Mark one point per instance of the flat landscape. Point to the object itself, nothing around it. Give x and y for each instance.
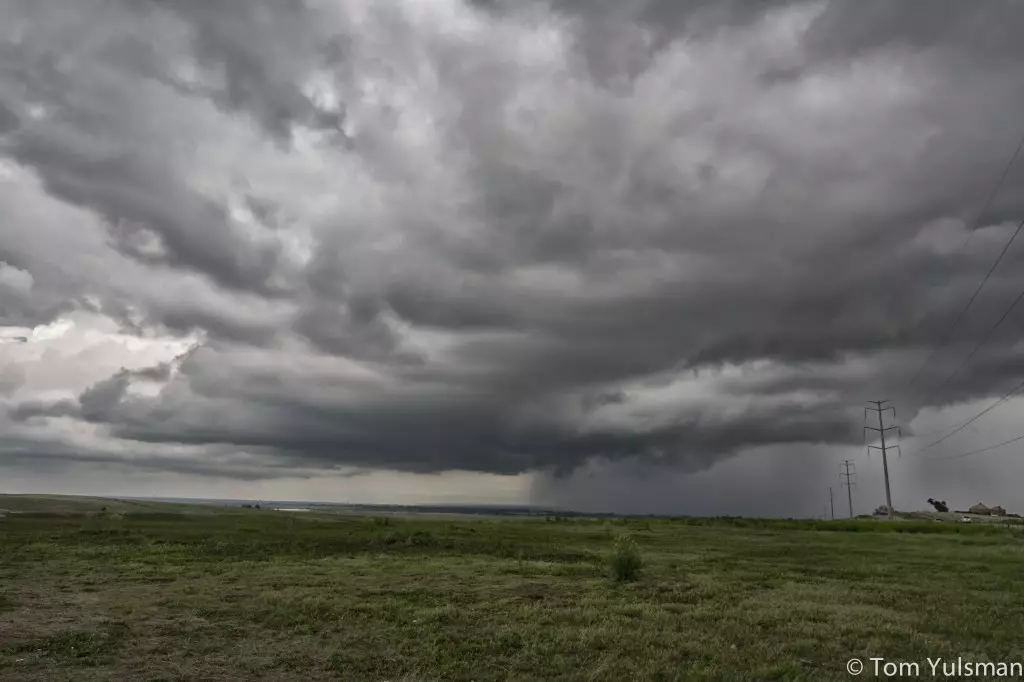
(98, 589)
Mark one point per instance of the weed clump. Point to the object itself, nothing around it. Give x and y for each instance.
(625, 561)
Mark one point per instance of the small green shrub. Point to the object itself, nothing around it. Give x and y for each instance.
(626, 561)
(420, 538)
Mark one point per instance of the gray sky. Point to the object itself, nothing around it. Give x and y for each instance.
(636, 256)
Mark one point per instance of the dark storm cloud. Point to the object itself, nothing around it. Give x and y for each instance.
(511, 237)
(984, 31)
(259, 49)
(97, 401)
(161, 372)
(37, 408)
(22, 303)
(192, 232)
(54, 456)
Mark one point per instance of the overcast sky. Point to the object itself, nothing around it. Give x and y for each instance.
(644, 255)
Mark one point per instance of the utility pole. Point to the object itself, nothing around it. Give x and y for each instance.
(882, 429)
(831, 503)
(848, 482)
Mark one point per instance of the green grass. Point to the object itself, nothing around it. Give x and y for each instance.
(261, 595)
(54, 505)
(626, 560)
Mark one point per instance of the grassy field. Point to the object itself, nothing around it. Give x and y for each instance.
(66, 504)
(176, 593)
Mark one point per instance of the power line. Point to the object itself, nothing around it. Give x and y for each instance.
(975, 452)
(948, 332)
(970, 421)
(995, 190)
(929, 432)
(975, 223)
(984, 208)
(981, 343)
(1016, 389)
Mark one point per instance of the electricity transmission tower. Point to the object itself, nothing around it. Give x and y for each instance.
(849, 481)
(882, 430)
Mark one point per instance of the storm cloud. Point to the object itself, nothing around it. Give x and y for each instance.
(502, 237)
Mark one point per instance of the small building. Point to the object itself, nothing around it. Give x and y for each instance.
(997, 511)
(980, 509)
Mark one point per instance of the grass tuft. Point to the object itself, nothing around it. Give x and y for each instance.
(626, 561)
